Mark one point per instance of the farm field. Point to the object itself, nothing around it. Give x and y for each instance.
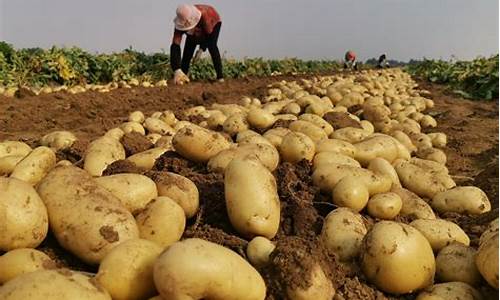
(471, 150)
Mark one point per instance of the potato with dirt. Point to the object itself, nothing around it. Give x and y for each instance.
(350, 192)
(412, 205)
(198, 144)
(101, 153)
(146, 159)
(326, 157)
(384, 205)
(58, 284)
(267, 154)
(297, 146)
(487, 260)
(456, 262)
(206, 271)
(24, 222)
(343, 231)
(440, 233)
(180, 189)
(14, 148)
(21, 261)
(252, 201)
(260, 118)
(338, 146)
(461, 199)
(134, 191)
(397, 258)
(350, 134)
(8, 163)
(34, 166)
(258, 251)
(382, 167)
(126, 272)
(419, 180)
(450, 290)
(321, 287)
(314, 132)
(382, 146)
(162, 222)
(86, 219)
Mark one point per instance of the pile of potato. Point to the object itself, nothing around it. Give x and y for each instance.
(364, 136)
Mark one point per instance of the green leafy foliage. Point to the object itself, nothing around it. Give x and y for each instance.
(476, 79)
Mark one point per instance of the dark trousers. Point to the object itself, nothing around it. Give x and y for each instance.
(209, 43)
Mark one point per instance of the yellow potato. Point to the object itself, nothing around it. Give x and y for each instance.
(291, 108)
(413, 206)
(455, 262)
(21, 261)
(418, 180)
(252, 200)
(255, 139)
(383, 146)
(384, 205)
(198, 144)
(296, 146)
(146, 159)
(350, 192)
(153, 137)
(35, 165)
(158, 126)
(165, 142)
(206, 271)
(350, 134)
(440, 233)
(275, 136)
(325, 157)
(58, 140)
(404, 139)
(24, 221)
(101, 153)
(136, 116)
(115, 133)
(126, 272)
(260, 118)
(85, 218)
(235, 123)
(343, 231)
(268, 156)
(438, 139)
(384, 168)
(397, 258)
(490, 231)
(180, 189)
(450, 290)
(461, 199)
(334, 145)
(321, 287)
(162, 222)
(318, 121)
(432, 154)
(134, 191)
(14, 148)
(367, 126)
(129, 127)
(487, 260)
(258, 251)
(8, 163)
(314, 132)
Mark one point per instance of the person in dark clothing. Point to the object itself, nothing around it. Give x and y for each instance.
(382, 62)
(350, 60)
(201, 24)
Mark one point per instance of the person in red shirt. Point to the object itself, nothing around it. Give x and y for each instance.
(201, 25)
(350, 60)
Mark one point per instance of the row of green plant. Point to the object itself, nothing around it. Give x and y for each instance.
(70, 66)
(476, 79)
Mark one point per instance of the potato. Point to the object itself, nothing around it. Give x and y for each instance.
(255, 139)
(158, 126)
(430, 166)
(404, 139)
(58, 140)
(418, 180)
(24, 221)
(252, 201)
(487, 260)
(86, 219)
(258, 251)
(432, 154)
(462, 200)
(180, 189)
(14, 148)
(60, 284)
(21, 261)
(291, 108)
(153, 137)
(206, 271)
(314, 132)
(377, 146)
(323, 158)
(318, 121)
(384, 205)
(162, 222)
(260, 118)
(455, 262)
(242, 135)
(397, 258)
(438, 139)
(413, 206)
(115, 133)
(35, 165)
(350, 134)
(428, 122)
(490, 231)
(198, 144)
(343, 231)
(384, 168)
(136, 116)
(101, 153)
(268, 156)
(146, 159)
(165, 142)
(8, 163)
(275, 135)
(350, 192)
(296, 146)
(450, 290)
(367, 126)
(440, 233)
(235, 123)
(126, 272)
(129, 127)
(321, 287)
(216, 119)
(133, 190)
(334, 145)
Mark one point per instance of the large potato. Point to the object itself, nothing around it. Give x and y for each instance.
(418, 180)
(413, 206)
(384, 205)
(296, 146)
(267, 154)
(8, 164)
(259, 118)
(115, 133)
(126, 272)
(350, 134)
(136, 116)
(455, 262)
(383, 167)
(461, 199)
(133, 190)
(318, 121)
(235, 123)
(162, 222)
(129, 127)
(490, 231)
(14, 148)
(197, 269)
(397, 258)
(487, 260)
(440, 233)
(258, 251)
(275, 135)
(343, 231)
(323, 158)
(146, 159)
(61, 284)
(198, 144)
(321, 287)
(58, 140)
(23, 217)
(21, 261)
(338, 146)
(180, 189)
(252, 201)
(350, 192)
(450, 290)
(86, 219)
(35, 165)
(158, 126)
(377, 146)
(314, 132)
(101, 153)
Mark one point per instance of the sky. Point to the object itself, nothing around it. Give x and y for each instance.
(314, 29)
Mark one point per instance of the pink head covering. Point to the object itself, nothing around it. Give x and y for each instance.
(187, 17)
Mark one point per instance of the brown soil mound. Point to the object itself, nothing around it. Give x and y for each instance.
(340, 120)
(135, 142)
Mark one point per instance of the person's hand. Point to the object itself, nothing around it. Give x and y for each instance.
(180, 78)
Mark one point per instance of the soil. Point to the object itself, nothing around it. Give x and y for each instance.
(472, 151)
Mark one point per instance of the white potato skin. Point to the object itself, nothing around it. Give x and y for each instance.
(252, 201)
(35, 165)
(196, 269)
(23, 217)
